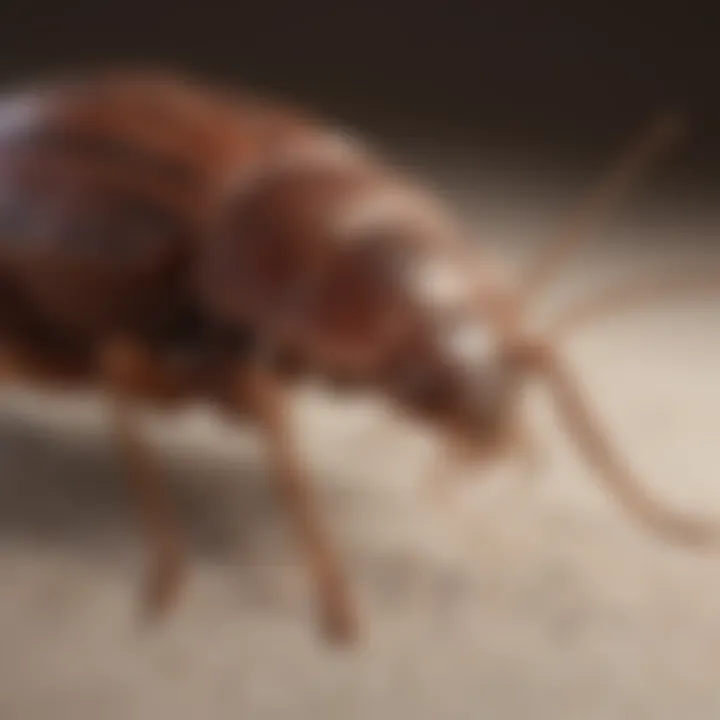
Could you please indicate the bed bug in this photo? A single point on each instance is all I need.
(165, 241)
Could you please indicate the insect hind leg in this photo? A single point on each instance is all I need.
(122, 364)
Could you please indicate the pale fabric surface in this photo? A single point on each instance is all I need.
(520, 601)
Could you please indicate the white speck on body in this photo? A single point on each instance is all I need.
(471, 343)
(440, 284)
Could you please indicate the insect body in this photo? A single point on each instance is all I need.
(168, 242)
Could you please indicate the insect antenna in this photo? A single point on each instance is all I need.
(633, 295)
(617, 480)
(599, 203)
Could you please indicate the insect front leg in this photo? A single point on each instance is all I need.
(531, 454)
(263, 395)
(518, 442)
(124, 366)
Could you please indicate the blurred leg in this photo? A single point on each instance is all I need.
(124, 366)
(264, 396)
(531, 454)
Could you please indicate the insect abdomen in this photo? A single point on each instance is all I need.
(94, 223)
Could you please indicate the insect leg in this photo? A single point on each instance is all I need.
(533, 458)
(122, 364)
(265, 399)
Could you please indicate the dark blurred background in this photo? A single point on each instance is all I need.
(551, 86)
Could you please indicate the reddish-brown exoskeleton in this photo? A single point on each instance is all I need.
(168, 242)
